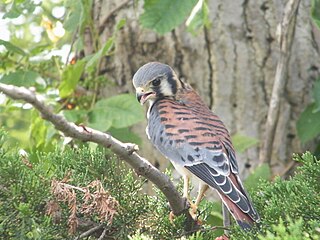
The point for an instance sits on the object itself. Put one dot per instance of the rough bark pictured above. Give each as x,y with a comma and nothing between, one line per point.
231,64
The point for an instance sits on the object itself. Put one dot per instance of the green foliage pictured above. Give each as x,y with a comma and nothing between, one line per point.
287,230
315,12
26,191
308,124
289,209
23,78
164,15
12,48
70,78
28,63
18,6
77,15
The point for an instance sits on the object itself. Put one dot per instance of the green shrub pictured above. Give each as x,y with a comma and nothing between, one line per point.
26,193
29,208
289,209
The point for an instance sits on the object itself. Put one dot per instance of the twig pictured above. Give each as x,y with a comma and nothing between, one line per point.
288,168
89,232
285,40
102,234
71,46
126,151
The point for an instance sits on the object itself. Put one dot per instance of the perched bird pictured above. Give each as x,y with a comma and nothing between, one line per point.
193,138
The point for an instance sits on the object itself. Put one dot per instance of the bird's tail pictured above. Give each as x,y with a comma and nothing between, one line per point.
247,218
243,219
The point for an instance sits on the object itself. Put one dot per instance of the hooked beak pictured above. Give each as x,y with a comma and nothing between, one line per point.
143,96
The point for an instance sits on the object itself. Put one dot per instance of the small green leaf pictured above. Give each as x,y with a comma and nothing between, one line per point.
38,131
242,143
315,12
164,15
308,124
11,47
13,12
70,78
102,52
20,6
22,78
121,24
261,172
39,49
122,110
316,96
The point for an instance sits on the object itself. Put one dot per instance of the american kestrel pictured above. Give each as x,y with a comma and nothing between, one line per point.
193,138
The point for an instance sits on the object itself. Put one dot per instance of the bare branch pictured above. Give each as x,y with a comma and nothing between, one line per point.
90,232
124,150
286,34
103,234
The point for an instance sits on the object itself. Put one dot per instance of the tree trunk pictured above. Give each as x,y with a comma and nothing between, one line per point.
231,64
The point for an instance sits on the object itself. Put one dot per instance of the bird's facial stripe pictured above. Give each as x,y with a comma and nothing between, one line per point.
172,80
165,88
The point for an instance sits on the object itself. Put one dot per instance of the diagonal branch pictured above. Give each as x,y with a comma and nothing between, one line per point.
286,35
126,151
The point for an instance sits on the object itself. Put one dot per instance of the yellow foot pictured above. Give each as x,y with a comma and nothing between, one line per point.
171,217
193,210
223,237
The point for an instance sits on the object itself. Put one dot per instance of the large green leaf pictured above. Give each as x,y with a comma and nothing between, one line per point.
315,12
308,125
70,78
121,110
23,78
164,15
99,120
242,143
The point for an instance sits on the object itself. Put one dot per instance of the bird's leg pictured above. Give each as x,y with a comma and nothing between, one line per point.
186,187
186,180
226,219
194,207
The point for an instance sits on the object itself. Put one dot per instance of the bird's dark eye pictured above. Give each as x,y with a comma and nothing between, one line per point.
156,82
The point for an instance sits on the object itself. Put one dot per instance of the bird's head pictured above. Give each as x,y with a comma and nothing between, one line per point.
155,80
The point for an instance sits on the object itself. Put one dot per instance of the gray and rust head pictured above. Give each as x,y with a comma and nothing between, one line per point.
155,80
